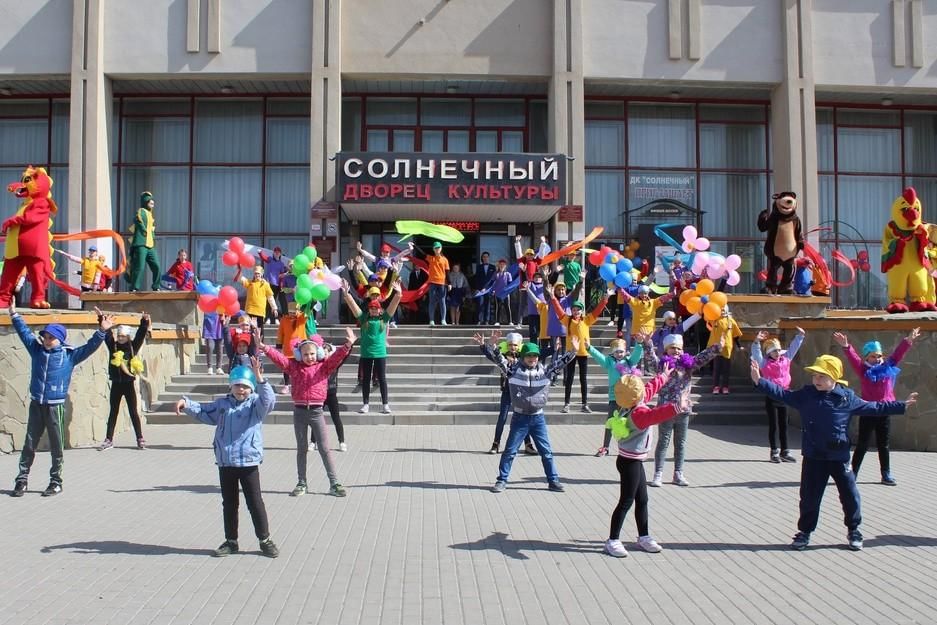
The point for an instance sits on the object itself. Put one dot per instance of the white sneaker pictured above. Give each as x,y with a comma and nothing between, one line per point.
497,324
364,409
342,447
211,371
648,544
432,323
610,324
565,409
312,447
445,323
385,409
392,325
285,389
614,548
679,480
658,479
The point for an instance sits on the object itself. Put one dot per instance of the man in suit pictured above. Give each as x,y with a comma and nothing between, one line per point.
484,272
417,277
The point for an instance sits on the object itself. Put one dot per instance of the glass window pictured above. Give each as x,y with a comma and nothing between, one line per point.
170,188
825,152
156,140
404,141
539,127
226,199
827,192
289,106
920,143
864,202
378,141
661,135
351,124
157,106
288,140
731,113
869,150
290,245
433,140
927,190
605,201
60,113
457,141
499,112
24,141
605,143
731,203
391,111
228,131
442,112
24,108
206,259
732,146
614,110
59,174
852,117
512,141
647,186
288,200
486,141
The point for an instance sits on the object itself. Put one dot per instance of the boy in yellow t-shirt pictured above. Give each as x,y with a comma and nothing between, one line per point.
577,326
259,296
726,327
644,310
90,268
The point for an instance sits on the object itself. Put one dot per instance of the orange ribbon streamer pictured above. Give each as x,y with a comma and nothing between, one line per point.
572,247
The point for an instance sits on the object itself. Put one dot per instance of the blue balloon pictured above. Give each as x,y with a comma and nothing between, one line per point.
624,265
608,271
206,287
636,262
610,257
623,279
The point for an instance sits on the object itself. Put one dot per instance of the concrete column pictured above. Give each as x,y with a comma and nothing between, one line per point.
90,121
326,111
566,105
794,115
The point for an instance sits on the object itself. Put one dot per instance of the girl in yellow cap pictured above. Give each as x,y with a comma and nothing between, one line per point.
826,406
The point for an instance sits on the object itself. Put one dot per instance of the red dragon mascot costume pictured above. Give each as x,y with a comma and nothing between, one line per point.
27,237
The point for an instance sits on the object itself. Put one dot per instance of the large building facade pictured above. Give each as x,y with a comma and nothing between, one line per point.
285,120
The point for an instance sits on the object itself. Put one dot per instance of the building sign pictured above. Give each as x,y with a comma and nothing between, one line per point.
324,210
570,212
461,226
660,186
472,178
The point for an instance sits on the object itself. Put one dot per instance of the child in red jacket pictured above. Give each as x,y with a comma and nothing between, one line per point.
309,372
182,272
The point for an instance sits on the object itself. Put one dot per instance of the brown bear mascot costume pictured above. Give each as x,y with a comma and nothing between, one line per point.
785,240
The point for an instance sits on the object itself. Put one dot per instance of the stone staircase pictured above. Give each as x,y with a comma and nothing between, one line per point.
438,376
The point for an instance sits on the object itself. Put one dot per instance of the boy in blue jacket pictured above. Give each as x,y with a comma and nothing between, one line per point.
53,361
826,407
239,450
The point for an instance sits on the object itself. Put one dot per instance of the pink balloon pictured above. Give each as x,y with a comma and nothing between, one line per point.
702,243
700,262
246,260
733,262
734,278
227,295
230,258
332,281
690,233
236,245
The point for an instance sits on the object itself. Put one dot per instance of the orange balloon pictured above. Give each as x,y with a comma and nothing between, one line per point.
705,286
712,311
685,296
694,305
719,297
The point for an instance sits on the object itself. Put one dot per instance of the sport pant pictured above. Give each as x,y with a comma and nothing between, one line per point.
665,431
124,390
633,491
44,417
305,417
249,480
814,474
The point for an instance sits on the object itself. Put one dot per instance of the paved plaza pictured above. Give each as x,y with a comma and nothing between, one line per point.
420,539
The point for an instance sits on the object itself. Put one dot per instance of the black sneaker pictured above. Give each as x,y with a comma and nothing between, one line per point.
52,490
494,448
787,457
530,450
226,549
801,540
855,540
19,489
268,548
556,487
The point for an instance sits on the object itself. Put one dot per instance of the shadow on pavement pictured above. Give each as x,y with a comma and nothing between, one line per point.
515,549
429,485
573,480
122,546
443,450
188,488
753,485
901,540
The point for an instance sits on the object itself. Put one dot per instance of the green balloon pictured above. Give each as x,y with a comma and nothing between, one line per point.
302,296
310,253
300,265
320,292
304,281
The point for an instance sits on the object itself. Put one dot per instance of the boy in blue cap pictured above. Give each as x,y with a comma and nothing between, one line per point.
52,364
826,406
239,450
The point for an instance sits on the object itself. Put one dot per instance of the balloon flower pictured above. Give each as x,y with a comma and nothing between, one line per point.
304,262
692,242
702,300
728,267
631,250
223,301
617,269
237,256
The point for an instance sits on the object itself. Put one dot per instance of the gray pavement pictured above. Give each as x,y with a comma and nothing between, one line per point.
419,539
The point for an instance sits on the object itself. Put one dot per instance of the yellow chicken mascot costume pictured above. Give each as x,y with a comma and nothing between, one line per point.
904,256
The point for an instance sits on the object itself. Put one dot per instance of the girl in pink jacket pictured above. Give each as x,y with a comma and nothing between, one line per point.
877,376
309,372
775,365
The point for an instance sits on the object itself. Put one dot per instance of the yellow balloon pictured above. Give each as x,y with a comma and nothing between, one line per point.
711,311
686,296
694,305
704,287
719,298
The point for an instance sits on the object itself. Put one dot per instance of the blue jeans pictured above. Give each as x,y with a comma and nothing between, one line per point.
484,309
814,474
503,413
536,426
437,295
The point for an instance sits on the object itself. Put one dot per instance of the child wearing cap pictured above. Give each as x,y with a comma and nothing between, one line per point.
51,374
826,406
724,330
373,356
259,296
643,309
239,450
676,391
671,325
877,378
578,326
309,370
529,387
510,349
618,363
776,366
239,342
123,367
631,422
90,268
553,333
438,280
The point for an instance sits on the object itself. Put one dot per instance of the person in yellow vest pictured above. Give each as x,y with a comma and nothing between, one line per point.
259,296
577,326
726,327
90,268
143,245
